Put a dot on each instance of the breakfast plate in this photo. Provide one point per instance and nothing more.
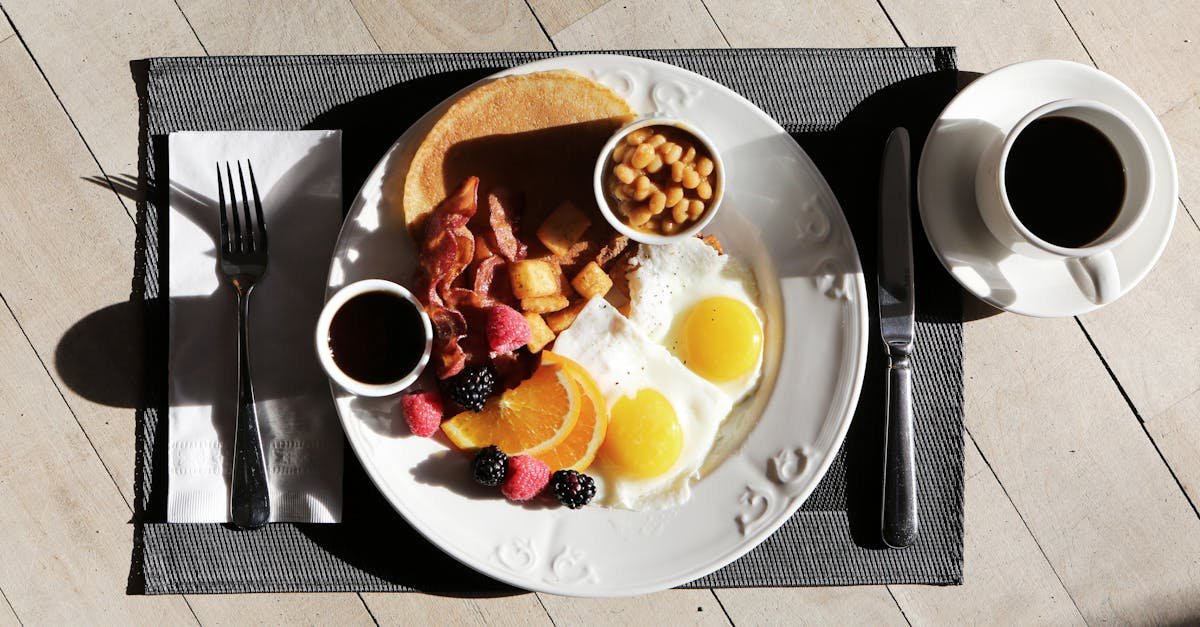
(780, 217)
(987, 109)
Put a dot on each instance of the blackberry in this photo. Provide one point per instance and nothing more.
(573, 489)
(490, 466)
(472, 387)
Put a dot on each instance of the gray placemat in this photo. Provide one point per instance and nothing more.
(838, 104)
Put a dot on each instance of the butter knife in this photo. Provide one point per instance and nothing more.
(896, 319)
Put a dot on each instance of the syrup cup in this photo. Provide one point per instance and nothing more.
(325, 353)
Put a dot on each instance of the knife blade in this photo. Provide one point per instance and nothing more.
(899, 520)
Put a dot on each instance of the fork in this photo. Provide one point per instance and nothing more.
(243, 261)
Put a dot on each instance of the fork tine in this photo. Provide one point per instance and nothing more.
(224, 220)
(248, 234)
(235, 244)
(262, 224)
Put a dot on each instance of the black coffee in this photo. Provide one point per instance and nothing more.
(377, 337)
(1065, 181)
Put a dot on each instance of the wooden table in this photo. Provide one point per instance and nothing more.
(1082, 472)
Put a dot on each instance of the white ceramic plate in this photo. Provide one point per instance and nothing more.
(987, 109)
(781, 217)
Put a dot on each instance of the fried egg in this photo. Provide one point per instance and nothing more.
(663, 417)
(703, 307)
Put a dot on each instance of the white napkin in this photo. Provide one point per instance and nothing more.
(299, 179)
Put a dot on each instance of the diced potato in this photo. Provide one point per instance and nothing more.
(532, 278)
(544, 304)
(592, 281)
(541, 334)
(624, 309)
(563, 228)
(559, 321)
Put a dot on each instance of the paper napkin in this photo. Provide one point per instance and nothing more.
(299, 181)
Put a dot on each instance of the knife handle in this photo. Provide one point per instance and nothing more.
(900, 520)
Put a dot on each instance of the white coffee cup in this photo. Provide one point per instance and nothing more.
(1093, 265)
(325, 354)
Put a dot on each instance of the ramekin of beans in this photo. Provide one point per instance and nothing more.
(659, 180)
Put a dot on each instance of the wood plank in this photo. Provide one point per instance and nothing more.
(1006, 579)
(633, 25)
(66, 541)
(1076, 464)
(1149, 337)
(7, 618)
(1177, 433)
(424, 609)
(555, 15)
(1151, 46)
(83, 265)
(861, 605)
(671, 607)
(808, 23)
(335, 608)
(451, 26)
(278, 27)
(85, 49)
(1182, 124)
(986, 32)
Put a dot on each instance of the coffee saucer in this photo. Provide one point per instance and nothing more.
(985, 111)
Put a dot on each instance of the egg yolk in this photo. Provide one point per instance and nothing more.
(644, 437)
(721, 339)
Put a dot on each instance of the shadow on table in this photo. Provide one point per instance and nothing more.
(374, 537)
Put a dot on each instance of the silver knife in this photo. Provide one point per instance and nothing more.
(896, 314)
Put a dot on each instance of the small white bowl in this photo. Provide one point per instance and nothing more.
(325, 355)
(604, 163)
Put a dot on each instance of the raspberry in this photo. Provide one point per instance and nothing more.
(423, 412)
(507, 329)
(573, 489)
(526, 478)
(471, 387)
(489, 466)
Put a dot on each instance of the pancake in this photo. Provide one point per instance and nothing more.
(536, 134)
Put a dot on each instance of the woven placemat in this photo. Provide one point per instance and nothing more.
(838, 104)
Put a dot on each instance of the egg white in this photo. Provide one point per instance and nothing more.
(667, 281)
(623, 360)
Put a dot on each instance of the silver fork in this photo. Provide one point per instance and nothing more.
(244, 260)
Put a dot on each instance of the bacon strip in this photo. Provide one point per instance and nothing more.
(487, 283)
(448, 328)
(449, 245)
(447, 248)
(502, 206)
(461, 298)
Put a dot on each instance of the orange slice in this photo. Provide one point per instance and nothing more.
(526, 420)
(579, 448)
